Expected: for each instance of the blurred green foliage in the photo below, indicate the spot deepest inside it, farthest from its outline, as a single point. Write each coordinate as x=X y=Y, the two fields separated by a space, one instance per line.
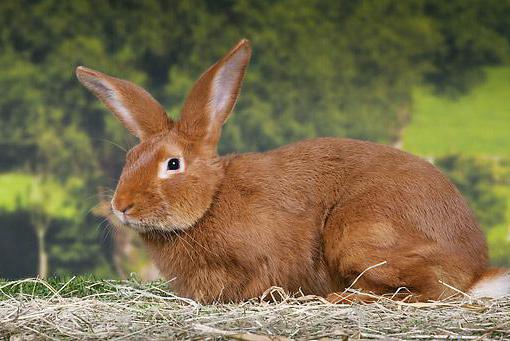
x=477 y=180
x=329 y=67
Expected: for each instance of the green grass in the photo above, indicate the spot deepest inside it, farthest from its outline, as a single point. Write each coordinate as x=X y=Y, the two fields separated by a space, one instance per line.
x=476 y=124
x=64 y=287
x=77 y=286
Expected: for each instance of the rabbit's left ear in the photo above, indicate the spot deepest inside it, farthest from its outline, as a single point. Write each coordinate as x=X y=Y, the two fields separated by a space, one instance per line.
x=138 y=111
x=214 y=95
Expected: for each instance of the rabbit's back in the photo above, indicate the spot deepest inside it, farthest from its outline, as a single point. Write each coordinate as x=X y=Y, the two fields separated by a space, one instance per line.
x=368 y=178
x=329 y=171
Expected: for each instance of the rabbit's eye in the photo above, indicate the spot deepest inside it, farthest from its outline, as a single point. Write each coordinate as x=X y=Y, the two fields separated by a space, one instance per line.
x=173 y=164
x=170 y=167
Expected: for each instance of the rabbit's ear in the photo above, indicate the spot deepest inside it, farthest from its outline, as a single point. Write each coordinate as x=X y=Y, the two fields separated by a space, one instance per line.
x=214 y=95
x=140 y=113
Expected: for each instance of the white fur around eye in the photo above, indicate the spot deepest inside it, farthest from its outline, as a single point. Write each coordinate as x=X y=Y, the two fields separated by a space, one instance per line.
x=163 y=171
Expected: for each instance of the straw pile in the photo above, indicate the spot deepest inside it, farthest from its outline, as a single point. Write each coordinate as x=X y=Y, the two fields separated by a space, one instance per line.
x=34 y=309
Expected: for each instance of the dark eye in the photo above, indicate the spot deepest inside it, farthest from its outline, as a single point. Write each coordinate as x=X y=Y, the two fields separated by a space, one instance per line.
x=173 y=164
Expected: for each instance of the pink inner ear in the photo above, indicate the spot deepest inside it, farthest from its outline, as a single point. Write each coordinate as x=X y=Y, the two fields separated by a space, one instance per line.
x=140 y=113
x=113 y=100
x=225 y=86
x=96 y=85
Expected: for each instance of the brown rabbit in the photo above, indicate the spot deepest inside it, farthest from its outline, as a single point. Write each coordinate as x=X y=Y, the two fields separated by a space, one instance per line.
x=309 y=216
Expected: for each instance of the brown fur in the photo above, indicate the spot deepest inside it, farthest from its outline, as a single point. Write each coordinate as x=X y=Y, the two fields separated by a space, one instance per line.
x=309 y=216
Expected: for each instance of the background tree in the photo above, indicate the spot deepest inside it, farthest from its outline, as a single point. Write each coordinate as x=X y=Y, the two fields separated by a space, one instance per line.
x=320 y=67
x=45 y=200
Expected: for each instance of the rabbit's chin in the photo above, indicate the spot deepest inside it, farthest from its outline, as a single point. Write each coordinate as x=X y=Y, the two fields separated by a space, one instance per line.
x=153 y=225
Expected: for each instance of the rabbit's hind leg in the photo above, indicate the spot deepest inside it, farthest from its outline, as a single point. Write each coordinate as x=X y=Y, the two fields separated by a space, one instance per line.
x=375 y=258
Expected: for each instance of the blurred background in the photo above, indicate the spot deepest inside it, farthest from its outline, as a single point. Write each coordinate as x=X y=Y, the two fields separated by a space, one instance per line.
x=429 y=76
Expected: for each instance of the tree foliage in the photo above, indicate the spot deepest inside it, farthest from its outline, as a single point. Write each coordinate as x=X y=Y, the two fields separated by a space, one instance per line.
x=337 y=68
x=476 y=179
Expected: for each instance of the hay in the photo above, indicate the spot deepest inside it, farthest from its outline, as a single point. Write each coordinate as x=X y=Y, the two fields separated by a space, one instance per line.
x=128 y=310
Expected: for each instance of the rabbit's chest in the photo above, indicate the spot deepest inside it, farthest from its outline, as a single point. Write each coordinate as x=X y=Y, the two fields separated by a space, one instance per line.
x=260 y=252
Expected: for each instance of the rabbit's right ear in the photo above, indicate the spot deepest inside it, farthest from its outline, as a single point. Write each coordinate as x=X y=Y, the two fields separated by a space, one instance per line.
x=140 y=113
x=214 y=95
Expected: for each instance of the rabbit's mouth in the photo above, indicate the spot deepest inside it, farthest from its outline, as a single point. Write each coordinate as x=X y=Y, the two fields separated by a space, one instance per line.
x=138 y=223
x=134 y=224
x=162 y=219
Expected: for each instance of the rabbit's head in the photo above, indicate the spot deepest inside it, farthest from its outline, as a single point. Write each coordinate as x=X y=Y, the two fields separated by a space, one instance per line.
x=170 y=177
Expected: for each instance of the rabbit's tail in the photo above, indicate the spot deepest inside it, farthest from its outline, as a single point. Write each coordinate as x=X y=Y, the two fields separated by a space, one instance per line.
x=493 y=283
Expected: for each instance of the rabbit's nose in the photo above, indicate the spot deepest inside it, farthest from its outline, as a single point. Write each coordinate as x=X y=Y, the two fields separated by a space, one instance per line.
x=122 y=204
x=122 y=207
x=126 y=208
x=121 y=210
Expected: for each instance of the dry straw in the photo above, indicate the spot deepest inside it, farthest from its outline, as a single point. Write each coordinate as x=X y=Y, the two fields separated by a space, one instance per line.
x=128 y=311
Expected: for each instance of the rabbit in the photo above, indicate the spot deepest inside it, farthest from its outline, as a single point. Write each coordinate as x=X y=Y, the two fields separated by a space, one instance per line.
x=317 y=216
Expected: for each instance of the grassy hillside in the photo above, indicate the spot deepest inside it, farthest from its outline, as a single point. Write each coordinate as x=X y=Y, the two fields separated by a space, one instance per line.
x=477 y=123
x=21 y=190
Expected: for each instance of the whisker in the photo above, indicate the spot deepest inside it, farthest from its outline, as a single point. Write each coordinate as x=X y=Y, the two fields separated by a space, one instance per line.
x=101 y=223
x=113 y=143
x=185 y=242
x=92 y=208
x=194 y=240
x=108 y=231
x=186 y=249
